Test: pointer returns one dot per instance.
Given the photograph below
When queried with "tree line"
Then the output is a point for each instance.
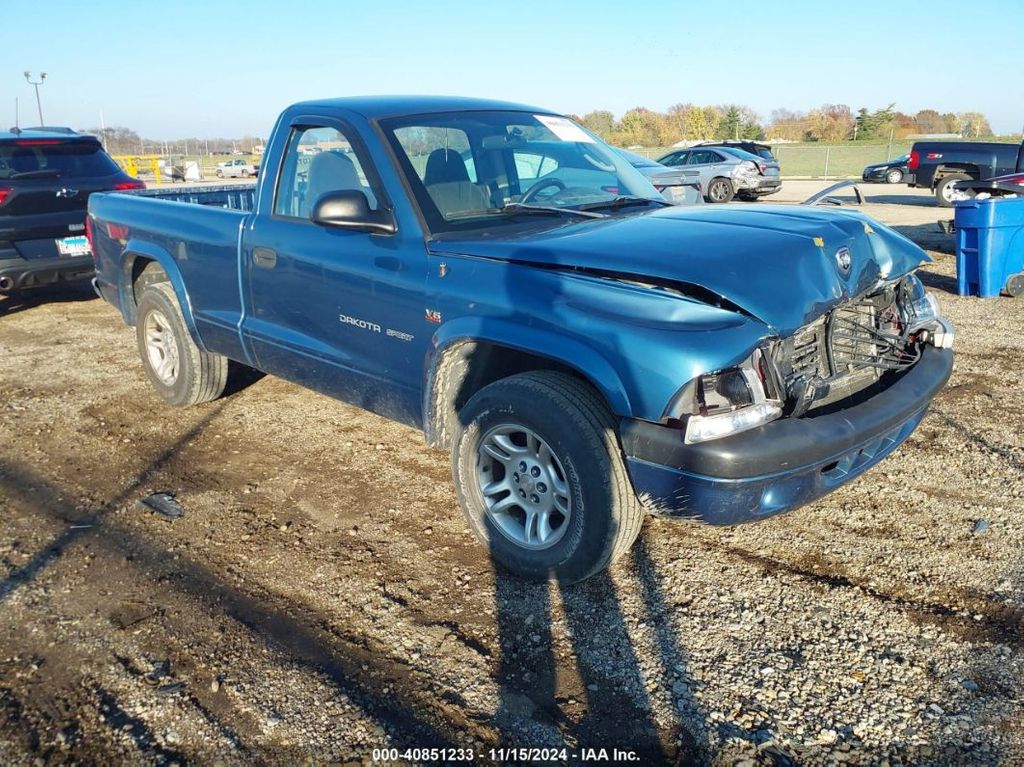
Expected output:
(121, 140)
(646, 127)
(641, 126)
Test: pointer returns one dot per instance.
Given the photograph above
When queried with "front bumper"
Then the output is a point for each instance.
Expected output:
(20, 273)
(781, 465)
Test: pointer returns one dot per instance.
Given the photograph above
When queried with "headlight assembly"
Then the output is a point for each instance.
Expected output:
(730, 401)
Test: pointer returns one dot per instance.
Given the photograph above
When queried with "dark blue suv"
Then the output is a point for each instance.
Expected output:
(46, 177)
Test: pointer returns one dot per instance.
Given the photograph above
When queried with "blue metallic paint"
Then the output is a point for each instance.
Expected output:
(623, 300)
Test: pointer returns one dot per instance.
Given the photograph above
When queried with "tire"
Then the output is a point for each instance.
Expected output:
(193, 375)
(1015, 285)
(893, 176)
(245, 174)
(220, 173)
(720, 190)
(584, 467)
(944, 189)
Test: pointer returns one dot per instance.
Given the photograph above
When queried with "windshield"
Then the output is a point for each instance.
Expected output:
(481, 169)
(54, 158)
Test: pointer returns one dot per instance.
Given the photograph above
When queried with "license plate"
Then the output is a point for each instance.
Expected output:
(74, 246)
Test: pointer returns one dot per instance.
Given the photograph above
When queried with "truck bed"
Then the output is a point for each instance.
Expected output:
(196, 241)
(230, 196)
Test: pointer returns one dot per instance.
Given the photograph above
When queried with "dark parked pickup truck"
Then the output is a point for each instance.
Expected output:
(498, 277)
(938, 165)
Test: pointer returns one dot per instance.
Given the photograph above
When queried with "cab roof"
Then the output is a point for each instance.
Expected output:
(378, 107)
(46, 132)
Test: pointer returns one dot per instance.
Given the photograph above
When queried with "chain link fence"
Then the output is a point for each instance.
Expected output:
(820, 161)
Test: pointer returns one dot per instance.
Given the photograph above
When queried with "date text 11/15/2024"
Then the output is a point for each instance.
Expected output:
(502, 755)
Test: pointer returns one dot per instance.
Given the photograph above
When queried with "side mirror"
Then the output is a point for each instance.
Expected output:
(349, 209)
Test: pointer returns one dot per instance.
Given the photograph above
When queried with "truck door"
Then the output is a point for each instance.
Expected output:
(339, 311)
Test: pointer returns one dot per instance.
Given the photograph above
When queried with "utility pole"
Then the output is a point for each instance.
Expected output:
(36, 84)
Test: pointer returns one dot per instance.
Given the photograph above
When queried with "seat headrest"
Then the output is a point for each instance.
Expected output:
(445, 166)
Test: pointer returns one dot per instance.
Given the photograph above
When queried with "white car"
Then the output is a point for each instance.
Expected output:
(236, 168)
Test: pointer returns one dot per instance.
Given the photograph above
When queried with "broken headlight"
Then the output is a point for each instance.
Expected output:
(922, 314)
(731, 401)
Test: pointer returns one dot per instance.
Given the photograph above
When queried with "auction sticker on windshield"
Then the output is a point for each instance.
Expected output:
(73, 246)
(565, 129)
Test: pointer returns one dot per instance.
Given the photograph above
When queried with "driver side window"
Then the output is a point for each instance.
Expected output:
(530, 166)
(318, 160)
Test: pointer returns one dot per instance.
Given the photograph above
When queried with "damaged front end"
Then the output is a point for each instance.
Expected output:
(852, 350)
(800, 416)
(859, 345)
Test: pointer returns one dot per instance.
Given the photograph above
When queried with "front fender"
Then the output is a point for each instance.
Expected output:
(136, 249)
(538, 342)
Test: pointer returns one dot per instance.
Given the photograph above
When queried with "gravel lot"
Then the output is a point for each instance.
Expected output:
(321, 595)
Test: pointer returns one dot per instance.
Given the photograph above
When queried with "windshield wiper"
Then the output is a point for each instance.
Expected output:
(623, 202)
(544, 210)
(41, 173)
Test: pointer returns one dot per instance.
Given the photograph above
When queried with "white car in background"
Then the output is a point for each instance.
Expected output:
(236, 168)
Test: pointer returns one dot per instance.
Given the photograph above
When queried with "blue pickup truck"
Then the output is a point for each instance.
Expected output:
(498, 277)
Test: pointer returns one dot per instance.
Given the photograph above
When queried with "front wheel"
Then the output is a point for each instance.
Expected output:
(720, 190)
(181, 372)
(944, 190)
(894, 176)
(541, 479)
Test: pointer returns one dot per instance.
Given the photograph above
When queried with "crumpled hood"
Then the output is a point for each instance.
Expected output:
(777, 262)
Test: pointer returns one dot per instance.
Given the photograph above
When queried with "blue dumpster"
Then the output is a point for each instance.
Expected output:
(990, 246)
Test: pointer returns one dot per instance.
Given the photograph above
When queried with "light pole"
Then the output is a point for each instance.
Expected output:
(36, 84)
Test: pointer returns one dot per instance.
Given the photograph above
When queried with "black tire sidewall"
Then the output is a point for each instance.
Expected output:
(729, 193)
(946, 182)
(583, 458)
(154, 298)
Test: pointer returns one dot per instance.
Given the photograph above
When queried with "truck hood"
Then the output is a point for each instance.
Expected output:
(778, 263)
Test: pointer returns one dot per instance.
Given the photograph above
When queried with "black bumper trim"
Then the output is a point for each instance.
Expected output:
(790, 443)
(33, 272)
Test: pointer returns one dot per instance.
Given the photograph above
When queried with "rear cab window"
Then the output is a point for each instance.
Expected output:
(318, 160)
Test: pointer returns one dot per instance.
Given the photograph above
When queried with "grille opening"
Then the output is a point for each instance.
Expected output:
(848, 351)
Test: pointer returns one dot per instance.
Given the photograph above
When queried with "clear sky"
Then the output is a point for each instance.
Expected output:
(208, 68)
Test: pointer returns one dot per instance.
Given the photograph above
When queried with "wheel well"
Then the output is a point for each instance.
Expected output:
(144, 271)
(950, 170)
(465, 368)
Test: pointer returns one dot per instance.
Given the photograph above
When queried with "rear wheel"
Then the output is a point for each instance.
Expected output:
(245, 174)
(220, 173)
(720, 190)
(181, 372)
(944, 189)
(894, 176)
(541, 479)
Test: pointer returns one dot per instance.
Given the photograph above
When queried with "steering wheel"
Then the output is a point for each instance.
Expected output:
(534, 190)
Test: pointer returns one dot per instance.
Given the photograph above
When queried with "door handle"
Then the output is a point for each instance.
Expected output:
(264, 258)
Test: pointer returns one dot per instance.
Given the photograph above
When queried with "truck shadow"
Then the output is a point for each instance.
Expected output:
(572, 679)
(935, 281)
(913, 200)
(406, 712)
(929, 236)
(62, 292)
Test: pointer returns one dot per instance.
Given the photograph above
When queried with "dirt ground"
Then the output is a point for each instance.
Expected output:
(321, 596)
